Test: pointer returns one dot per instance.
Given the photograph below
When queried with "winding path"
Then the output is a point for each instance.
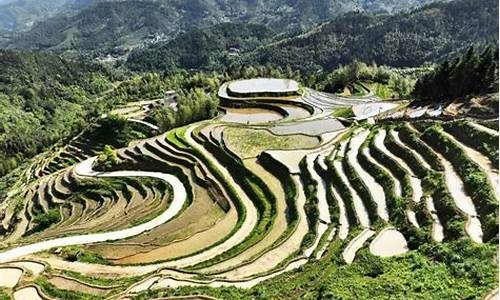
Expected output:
(154, 127)
(85, 169)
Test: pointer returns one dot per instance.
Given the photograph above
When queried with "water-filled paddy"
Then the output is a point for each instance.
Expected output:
(263, 85)
(250, 115)
(313, 127)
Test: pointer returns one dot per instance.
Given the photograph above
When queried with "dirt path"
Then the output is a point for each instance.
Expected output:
(343, 220)
(245, 229)
(397, 185)
(65, 283)
(415, 182)
(324, 210)
(169, 282)
(329, 239)
(154, 127)
(279, 225)
(272, 258)
(419, 157)
(493, 295)
(437, 228)
(375, 189)
(85, 169)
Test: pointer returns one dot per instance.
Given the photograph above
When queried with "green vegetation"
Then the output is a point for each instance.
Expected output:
(52, 291)
(400, 40)
(472, 73)
(410, 276)
(361, 189)
(50, 101)
(194, 105)
(476, 182)
(44, 98)
(108, 159)
(77, 253)
(109, 27)
(45, 220)
(359, 77)
(480, 140)
(343, 113)
(205, 48)
(311, 204)
(4, 295)
(101, 281)
(406, 39)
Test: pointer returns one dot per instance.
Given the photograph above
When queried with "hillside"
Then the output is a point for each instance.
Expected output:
(120, 25)
(409, 39)
(44, 98)
(249, 149)
(197, 49)
(399, 40)
(285, 192)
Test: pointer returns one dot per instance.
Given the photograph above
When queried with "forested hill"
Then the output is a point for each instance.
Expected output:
(115, 26)
(209, 48)
(44, 97)
(425, 35)
(428, 34)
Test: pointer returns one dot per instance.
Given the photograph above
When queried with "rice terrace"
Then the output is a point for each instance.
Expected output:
(272, 183)
(253, 150)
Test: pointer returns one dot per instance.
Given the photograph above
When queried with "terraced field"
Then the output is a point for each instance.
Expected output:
(263, 189)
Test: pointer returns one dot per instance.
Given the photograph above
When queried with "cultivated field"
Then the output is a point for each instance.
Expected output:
(275, 182)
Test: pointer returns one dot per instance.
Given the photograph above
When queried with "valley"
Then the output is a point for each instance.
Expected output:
(249, 150)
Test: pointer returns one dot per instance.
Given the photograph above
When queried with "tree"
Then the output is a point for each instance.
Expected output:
(108, 159)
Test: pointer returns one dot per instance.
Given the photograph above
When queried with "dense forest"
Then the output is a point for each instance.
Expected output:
(43, 98)
(426, 35)
(473, 73)
(207, 48)
(406, 39)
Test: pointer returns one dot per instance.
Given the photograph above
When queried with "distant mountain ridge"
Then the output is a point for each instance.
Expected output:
(91, 25)
(20, 15)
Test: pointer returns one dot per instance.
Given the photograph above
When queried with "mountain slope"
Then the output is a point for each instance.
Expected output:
(208, 48)
(126, 24)
(406, 39)
(43, 97)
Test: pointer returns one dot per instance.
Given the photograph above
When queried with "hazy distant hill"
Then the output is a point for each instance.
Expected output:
(124, 24)
(18, 15)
